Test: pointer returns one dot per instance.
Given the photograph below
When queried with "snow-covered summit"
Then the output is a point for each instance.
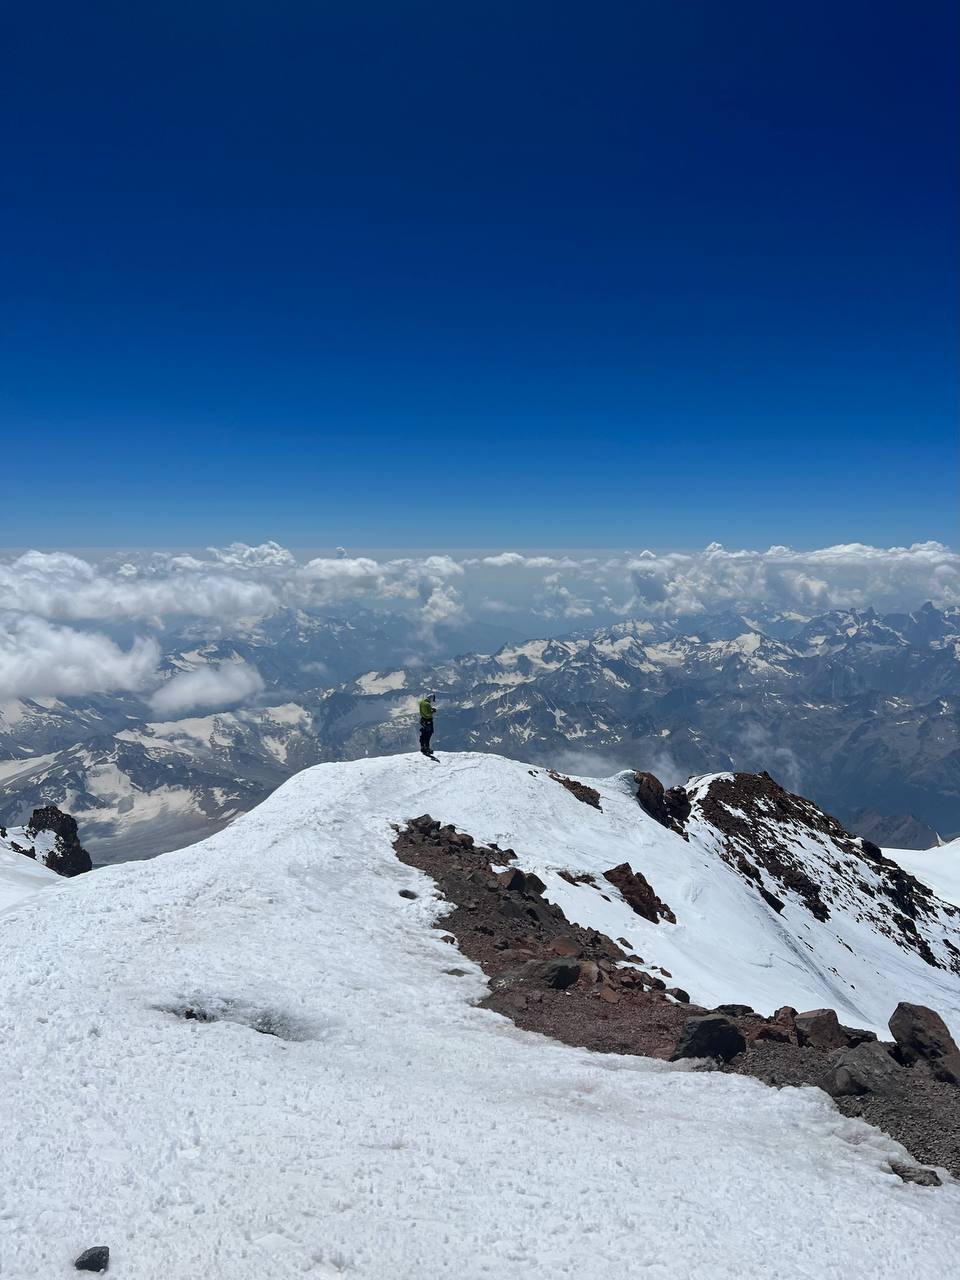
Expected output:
(255, 1057)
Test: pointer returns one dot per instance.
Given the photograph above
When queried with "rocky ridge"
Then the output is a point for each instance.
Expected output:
(557, 977)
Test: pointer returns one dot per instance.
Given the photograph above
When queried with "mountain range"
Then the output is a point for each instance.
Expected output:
(858, 710)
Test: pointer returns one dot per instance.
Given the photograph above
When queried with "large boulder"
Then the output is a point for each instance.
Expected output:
(866, 1068)
(922, 1035)
(669, 808)
(820, 1029)
(550, 973)
(709, 1036)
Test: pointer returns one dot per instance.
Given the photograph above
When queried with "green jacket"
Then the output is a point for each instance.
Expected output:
(426, 709)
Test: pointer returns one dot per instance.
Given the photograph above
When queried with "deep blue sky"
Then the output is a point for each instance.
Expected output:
(479, 273)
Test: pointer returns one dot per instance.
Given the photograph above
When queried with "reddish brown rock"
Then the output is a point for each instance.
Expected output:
(638, 893)
(820, 1029)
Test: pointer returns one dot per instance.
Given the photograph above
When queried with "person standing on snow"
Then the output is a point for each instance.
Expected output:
(426, 724)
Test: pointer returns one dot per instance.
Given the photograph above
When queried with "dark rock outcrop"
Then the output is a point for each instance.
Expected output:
(638, 893)
(710, 1036)
(922, 1035)
(867, 1068)
(670, 808)
(67, 858)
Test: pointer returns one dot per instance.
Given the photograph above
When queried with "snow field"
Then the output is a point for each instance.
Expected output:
(402, 1132)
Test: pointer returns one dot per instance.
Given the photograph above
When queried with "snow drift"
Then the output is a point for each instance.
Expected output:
(254, 1057)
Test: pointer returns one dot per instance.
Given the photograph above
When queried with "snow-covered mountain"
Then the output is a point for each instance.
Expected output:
(258, 1057)
(859, 711)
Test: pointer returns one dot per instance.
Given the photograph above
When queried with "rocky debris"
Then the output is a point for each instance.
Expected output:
(922, 1035)
(560, 979)
(67, 857)
(916, 1173)
(710, 1036)
(95, 1259)
(757, 824)
(670, 808)
(869, 1067)
(589, 795)
(920, 1112)
(559, 974)
(638, 893)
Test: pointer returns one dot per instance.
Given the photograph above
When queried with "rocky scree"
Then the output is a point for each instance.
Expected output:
(579, 986)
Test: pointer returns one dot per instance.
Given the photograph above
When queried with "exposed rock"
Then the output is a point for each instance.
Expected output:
(407, 893)
(566, 946)
(819, 1028)
(916, 1173)
(551, 973)
(709, 1036)
(678, 993)
(95, 1259)
(735, 1010)
(866, 1068)
(67, 858)
(589, 795)
(922, 1034)
(670, 808)
(638, 893)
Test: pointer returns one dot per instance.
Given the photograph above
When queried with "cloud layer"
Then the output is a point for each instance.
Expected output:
(211, 688)
(53, 603)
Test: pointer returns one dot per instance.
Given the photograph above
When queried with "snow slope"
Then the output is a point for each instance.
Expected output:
(938, 868)
(20, 875)
(389, 1129)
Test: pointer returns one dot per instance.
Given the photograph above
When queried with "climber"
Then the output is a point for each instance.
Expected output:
(426, 723)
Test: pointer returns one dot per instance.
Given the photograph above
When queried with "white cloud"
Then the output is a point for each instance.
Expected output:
(236, 586)
(211, 687)
(40, 659)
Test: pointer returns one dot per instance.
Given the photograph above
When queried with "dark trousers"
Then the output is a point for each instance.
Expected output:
(426, 733)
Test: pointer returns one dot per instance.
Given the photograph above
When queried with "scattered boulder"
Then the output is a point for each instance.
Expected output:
(566, 946)
(866, 1068)
(95, 1259)
(407, 893)
(551, 973)
(709, 1036)
(638, 893)
(916, 1173)
(921, 1034)
(679, 994)
(820, 1029)
(735, 1010)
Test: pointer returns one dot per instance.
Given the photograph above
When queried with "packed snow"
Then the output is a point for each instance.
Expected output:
(20, 875)
(386, 1128)
(938, 869)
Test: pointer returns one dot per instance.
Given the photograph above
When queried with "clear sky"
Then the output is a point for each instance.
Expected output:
(479, 273)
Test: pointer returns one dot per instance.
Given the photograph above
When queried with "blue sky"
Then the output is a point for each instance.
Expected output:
(479, 274)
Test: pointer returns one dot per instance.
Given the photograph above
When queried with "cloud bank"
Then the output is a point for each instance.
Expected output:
(53, 602)
(211, 688)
